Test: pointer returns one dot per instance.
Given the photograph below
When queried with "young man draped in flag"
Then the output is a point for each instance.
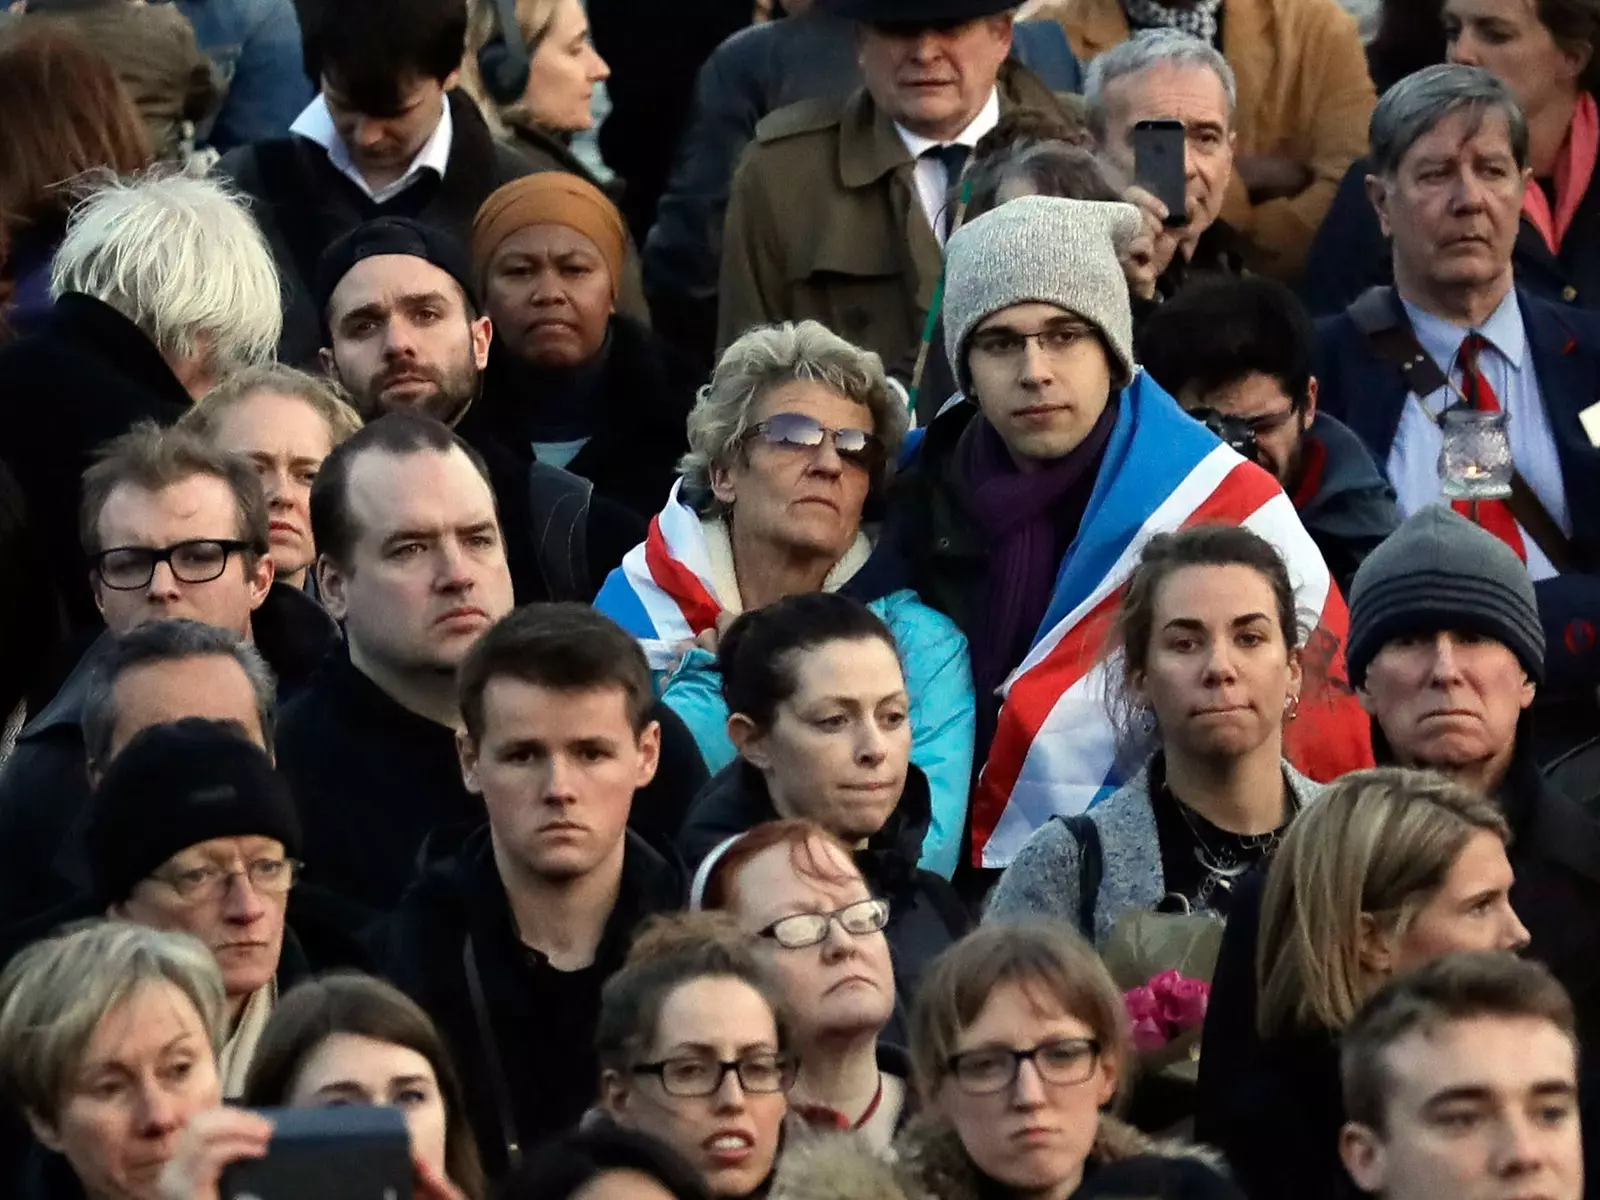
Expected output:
(1024, 511)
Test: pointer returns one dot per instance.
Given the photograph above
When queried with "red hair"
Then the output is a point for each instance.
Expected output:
(805, 840)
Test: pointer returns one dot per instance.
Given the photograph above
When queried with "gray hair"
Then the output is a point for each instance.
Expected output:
(767, 357)
(1412, 108)
(55, 993)
(172, 640)
(1148, 49)
(182, 259)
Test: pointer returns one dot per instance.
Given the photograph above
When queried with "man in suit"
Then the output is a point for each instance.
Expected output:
(1450, 154)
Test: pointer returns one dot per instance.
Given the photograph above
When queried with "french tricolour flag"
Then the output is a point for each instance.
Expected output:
(1055, 749)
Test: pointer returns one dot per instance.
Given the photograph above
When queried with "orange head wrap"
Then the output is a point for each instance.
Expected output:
(550, 198)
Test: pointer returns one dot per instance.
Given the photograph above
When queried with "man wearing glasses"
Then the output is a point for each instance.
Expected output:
(192, 830)
(171, 529)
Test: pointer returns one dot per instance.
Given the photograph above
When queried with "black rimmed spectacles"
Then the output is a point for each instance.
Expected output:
(991, 1069)
(807, 929)
(200, 560)
(692, 1075)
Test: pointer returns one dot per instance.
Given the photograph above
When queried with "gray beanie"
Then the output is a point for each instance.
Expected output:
(1042, 249)
(1440, 571)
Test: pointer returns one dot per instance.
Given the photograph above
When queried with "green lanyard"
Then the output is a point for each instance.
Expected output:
(936, 308)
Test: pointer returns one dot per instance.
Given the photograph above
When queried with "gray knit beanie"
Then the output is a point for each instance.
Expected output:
(1042, 249)
(1441, 571)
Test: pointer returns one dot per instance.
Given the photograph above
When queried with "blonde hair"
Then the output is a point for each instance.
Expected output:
(534, 18)
(768, 357)
(323, 396)
(183, 259)
(1378, 844)
(1038, 955)
(54, 995)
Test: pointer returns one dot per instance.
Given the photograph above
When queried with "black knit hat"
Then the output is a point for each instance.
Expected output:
(1440, 571)
(916, 12)
(175, 786)
(392, 235)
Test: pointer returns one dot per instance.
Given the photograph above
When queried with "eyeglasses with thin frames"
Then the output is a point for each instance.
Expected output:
(797, 431)
(693, 1075)
(199, 560)
(991, 1069)
(1054, 339)
(860, 919)
(267, 876)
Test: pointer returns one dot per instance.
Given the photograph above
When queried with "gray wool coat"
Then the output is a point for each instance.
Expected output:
(1042, 881)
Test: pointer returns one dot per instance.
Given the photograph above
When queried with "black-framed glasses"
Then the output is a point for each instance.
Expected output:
(693, 1075)
(267, 876)
(1054, 339)
(796, 431)
(1063, 1062)
(807, 929)
(200, 560)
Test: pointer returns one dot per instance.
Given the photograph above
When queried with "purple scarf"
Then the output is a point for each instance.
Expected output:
(1029, 520)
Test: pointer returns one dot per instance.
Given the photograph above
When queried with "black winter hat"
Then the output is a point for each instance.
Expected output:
(175, 786)
(392, 235)
(1440, 571)
(916, 13)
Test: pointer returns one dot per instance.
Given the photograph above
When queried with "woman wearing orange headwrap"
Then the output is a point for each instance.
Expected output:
(570, 380)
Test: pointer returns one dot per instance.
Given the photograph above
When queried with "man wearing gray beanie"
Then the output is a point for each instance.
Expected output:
(1058, 453)
(1446, 651)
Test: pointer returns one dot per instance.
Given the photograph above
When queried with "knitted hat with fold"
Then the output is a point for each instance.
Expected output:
(1045, 250)
(1439, 571)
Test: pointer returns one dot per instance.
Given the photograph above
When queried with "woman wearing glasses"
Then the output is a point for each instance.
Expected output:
(571, 381)
(1019, 1042)
(787, 446)
(694, 1050)
(793, 890)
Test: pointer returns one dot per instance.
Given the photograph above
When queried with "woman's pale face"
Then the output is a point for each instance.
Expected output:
(840, 746)
(844, 985)
(286, 440)
(1219, 672)
(347, 1068)
(1471, 910)
(1506, 38)
(804, 500)
(730, 1136)
(147, 1069)
(1033, 1136)
(563, 73)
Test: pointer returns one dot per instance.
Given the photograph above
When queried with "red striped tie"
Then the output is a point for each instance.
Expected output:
(1493, 515)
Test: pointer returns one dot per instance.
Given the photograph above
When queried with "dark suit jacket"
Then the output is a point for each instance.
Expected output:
(1368, 394)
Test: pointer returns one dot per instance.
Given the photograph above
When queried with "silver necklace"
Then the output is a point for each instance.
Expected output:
(1222, 870)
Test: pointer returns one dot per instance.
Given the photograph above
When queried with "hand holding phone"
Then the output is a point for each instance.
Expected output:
(1159, 166)
(345, 1153)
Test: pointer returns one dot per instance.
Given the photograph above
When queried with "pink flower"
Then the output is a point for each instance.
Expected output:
(1148, 1035)
(1142, 1004)
(1183, 1001)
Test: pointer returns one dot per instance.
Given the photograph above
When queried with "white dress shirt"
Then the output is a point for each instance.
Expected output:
(316, 124)
(932, 186)
(1507, 364)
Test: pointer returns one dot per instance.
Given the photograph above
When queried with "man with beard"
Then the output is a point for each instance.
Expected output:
(405, 333)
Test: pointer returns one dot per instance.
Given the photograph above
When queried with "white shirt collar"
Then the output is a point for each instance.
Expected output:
(316, 124)
(988, 117)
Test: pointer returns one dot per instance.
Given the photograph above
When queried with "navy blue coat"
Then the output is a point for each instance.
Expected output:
(1368, 394)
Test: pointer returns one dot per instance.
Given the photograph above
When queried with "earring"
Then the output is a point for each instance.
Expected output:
(1291, 707)
(1147, 719)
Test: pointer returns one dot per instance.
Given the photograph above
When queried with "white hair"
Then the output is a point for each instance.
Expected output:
(182, 258)
(1144, 50)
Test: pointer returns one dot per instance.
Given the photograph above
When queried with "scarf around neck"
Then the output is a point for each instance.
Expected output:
(1197, 20)
(1574, 169)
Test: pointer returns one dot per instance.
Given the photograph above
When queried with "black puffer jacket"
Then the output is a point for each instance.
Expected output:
(925, 914)
(541, 1021)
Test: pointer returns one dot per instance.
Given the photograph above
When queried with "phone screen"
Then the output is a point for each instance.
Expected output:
(1158, 166)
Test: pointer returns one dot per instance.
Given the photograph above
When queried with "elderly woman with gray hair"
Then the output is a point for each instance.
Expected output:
(108, 1041)
(788, 446)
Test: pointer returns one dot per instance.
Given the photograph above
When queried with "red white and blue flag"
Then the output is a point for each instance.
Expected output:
(1055, 749)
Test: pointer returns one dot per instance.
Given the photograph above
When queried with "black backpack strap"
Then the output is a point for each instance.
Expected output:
(492, 1063)
(1091, 868)
(559, 504)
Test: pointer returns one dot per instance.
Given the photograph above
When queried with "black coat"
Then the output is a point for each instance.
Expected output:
(1351, 508)
(1350, 253)
(303, 203)
(86, 376)
(542, 1020)
(925, 914)
(44, 788)
(642, 399)
(380, 792)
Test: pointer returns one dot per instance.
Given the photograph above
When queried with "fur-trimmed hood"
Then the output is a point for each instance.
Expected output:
(931, 1164)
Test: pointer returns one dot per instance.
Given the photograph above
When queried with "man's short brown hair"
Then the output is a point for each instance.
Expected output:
(1458, 987)
(153, 459)
(563, 647)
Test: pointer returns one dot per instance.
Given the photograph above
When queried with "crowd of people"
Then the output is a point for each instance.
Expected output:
(737, 600)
